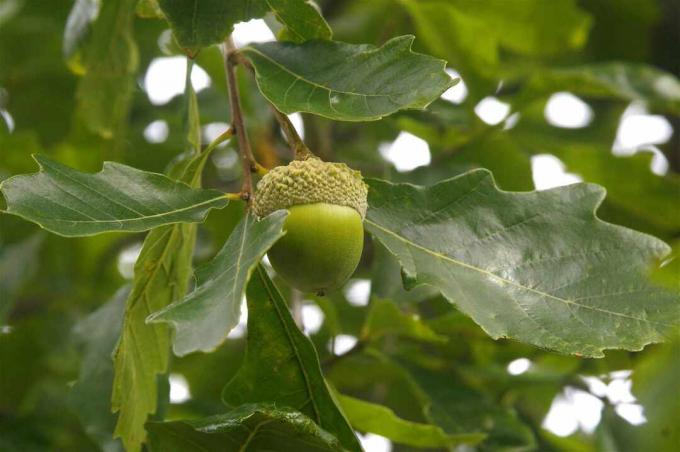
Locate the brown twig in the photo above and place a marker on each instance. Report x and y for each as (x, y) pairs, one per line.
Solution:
(248, 163)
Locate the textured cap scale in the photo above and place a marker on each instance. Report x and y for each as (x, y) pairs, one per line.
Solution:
(310, 181)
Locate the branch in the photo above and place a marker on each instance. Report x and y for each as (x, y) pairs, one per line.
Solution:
(248, 163)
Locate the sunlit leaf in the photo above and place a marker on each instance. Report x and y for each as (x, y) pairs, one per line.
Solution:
(247, 428)
(119, 198)
(538, 267)
(205, 316)
(345, 81)
(374, 418)
(281, 365)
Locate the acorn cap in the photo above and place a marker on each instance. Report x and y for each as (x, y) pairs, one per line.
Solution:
(310, 181)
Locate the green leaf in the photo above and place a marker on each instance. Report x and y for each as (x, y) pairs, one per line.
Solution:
(161, 277)
(385, 318)
(78, 26)
(345, 81)
(458, 408)
(302, 20)
(118, 198)
(281, 365)
(658, 89)
(162, 274)
(255, 427)
(654, 377)
(200, 23)
(204, 317)
(374, 418)
(110, 61)
(538, 267)
(473, 36)
(17, 264)
(90, 396)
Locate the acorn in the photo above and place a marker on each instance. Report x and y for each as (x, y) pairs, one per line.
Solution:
(324, 234)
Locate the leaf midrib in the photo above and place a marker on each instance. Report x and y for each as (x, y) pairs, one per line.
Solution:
(508, 281)
(122, 220)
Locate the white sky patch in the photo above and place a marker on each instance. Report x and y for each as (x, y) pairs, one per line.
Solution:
(457, 93)
(240, 330)
(255, 30)
(224, 159)
(211, 131)
(638, 128)
(568, 111)
(519, 366)
(157, 131)
(374, 443)
(127, 259)
(571, 410)
(596, 386)
(407, 152)
(511, 121)
(298, 123)
(632, 412)
(179, 389)
(342, 343)
(491, 110)
(165, 79)
(312, 318)
(548, 172)
(358, 291)
(9, 120)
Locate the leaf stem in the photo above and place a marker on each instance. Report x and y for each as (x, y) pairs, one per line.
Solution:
(248, 163)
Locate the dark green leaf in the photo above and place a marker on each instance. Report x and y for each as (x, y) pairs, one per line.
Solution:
(256, 427)
(119, 198)
(17, 264)
(200, 23)
(345, 81)
(659, 89)
(302, 20)
(281, 365)
(538, 267)
(90, 396)
(204, 317)
(385, 318)
(374, 418)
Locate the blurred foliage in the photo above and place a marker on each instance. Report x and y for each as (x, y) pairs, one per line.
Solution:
(74, 87)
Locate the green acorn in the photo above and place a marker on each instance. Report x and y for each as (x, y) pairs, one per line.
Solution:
(324, 231)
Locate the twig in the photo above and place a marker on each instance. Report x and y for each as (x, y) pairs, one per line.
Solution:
(248, 163)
